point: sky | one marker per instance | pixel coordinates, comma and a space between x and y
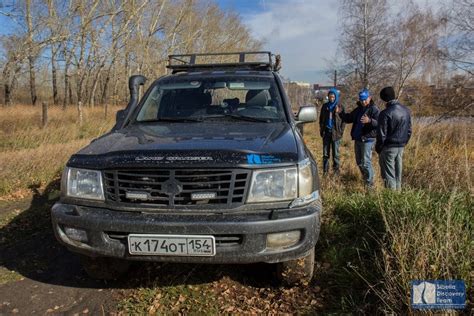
304, 33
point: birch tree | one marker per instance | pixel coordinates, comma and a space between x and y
89, 48
364, 38
458, 46
413, 43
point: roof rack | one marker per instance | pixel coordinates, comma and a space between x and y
261, 60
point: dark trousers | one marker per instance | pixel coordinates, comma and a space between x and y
329, 146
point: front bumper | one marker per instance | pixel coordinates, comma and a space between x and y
240, 238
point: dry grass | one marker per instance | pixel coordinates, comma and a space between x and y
25, 168
383, 240
438, 157
31, 155
20, 126
428, 237
376, 243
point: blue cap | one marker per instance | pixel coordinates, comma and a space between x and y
364, 95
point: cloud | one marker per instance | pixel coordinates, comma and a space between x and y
304, 32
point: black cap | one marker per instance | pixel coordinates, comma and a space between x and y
387, 94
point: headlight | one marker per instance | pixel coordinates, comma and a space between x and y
273, 185
84, 184
305, 178
281, 184
305, 184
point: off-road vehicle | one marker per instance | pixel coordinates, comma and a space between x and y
209, 166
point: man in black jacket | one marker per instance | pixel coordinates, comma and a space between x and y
331, 129
393, 134
363, 132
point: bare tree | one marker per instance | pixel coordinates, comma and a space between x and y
364, 38
95, 45
14, 55
458, 46
55, 28
298, 95
413, 42
32, 51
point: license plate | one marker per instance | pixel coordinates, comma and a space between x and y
171, 245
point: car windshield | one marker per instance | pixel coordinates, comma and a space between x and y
188, 100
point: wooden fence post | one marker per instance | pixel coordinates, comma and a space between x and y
44, 116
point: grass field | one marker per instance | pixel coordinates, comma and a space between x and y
371, 246
33, 156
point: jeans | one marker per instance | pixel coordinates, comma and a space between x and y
363, 155
328, 146
390, 160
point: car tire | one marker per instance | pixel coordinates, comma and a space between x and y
296, 271
104, 268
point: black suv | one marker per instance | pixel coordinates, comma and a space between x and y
209, 166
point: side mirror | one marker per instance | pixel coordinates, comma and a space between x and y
120, 116
306, 114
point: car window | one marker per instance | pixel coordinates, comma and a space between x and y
213, 98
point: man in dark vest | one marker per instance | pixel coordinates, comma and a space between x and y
393, 133
364, 130
331, 129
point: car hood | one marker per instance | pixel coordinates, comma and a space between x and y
209, 144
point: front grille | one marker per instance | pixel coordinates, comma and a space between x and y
170, 188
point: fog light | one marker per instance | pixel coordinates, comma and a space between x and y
203, 196
76, 234
283, 240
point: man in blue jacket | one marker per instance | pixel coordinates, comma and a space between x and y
331, 129
364, 130
393, 133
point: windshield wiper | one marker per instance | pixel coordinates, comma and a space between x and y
173, 119
204, 117
237, 117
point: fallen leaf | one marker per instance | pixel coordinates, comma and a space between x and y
151, 310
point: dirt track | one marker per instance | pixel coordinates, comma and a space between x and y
38, 276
